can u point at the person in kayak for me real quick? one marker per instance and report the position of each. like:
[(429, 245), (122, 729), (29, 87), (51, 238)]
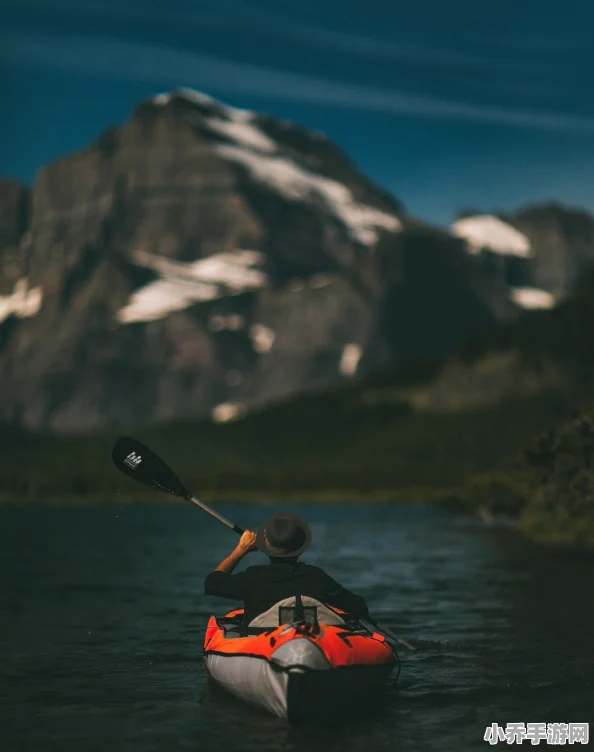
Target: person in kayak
[(283, 538)]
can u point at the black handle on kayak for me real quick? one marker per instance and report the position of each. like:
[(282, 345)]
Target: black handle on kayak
[(137, 461)]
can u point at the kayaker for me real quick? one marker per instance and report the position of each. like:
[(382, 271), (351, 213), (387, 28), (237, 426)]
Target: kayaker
[(283, 538)]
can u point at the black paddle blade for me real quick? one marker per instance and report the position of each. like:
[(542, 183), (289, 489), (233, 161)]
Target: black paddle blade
[(140, 463)]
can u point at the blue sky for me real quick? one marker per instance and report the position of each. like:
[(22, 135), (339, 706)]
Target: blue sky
[(449, 105)]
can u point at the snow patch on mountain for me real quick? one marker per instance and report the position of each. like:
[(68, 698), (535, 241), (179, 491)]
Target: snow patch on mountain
[(183, 284), (262, 338), (23, 302), (349, 360), (489, 232), (243, 133), (532, 297), (296, 184), (201, 99), (227, 411)]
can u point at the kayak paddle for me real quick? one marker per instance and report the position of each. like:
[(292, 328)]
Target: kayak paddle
[(139, 462), (374, 626)]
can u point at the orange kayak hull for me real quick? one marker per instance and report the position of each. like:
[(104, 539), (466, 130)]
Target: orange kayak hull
[(292, 671)]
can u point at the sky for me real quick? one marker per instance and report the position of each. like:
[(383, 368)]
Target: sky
[(451, 106)]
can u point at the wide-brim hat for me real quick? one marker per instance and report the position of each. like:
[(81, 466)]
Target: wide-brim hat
[(283, 535)]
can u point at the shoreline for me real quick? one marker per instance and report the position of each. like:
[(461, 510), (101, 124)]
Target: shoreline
[(419, 498), (410, 497)]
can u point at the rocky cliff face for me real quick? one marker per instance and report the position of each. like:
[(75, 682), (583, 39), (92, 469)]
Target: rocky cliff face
[(201, 259)]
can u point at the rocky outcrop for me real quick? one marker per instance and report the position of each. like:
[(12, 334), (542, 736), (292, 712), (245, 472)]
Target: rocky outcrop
[(539, 252), (201, 259)]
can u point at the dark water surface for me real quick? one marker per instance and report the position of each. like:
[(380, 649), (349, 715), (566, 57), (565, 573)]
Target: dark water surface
[(102, 618)]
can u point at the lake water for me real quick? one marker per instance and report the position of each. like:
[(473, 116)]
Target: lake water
[(103, 616)]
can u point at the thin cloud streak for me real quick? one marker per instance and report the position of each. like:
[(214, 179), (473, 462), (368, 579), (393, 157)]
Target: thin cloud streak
[(325, 39), (165, 67), (379, 50)]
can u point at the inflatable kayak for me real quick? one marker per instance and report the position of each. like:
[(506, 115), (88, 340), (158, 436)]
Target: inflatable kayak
[(298, 658)]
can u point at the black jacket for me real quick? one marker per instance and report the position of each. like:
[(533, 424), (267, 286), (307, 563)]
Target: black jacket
[(261, 586)]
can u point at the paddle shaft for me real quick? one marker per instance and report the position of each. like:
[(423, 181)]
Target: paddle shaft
[(216, 515), (378, 627), (394, 636)]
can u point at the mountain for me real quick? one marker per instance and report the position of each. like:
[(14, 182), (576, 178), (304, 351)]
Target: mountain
[(202, 259)]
